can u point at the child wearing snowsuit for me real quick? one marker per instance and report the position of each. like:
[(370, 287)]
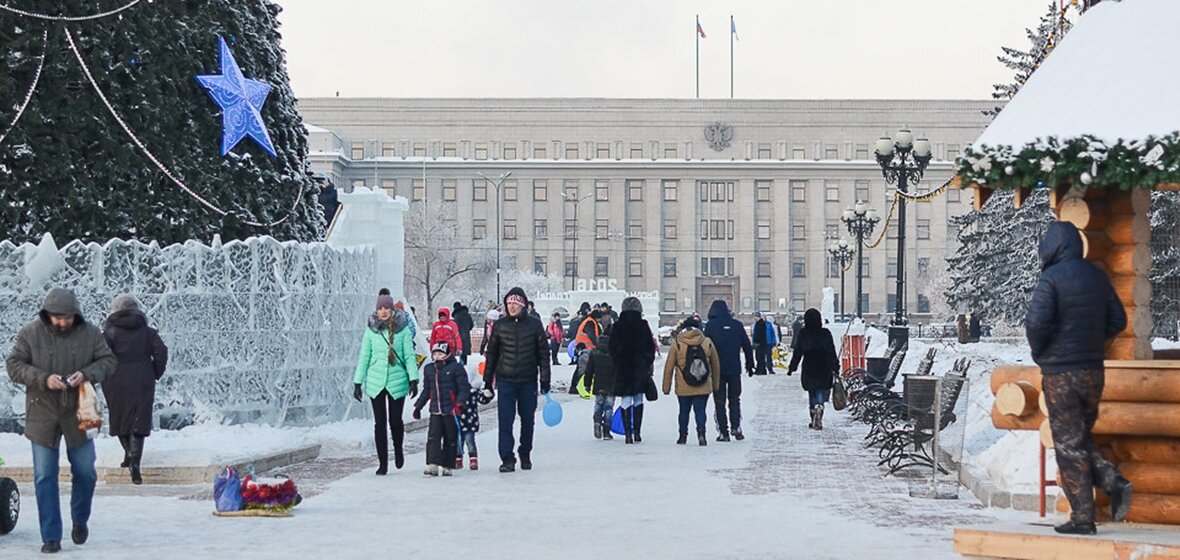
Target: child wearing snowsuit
[(446, 389), (600, 378), (469, 422)]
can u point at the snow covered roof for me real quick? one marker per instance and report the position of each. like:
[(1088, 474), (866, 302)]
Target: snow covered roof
[(1113, 76)]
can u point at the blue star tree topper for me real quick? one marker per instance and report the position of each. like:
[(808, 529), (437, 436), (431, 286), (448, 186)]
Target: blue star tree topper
[(240, 100)]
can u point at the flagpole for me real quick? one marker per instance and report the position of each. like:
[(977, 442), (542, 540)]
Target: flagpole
[(696, 32), (731, 28)]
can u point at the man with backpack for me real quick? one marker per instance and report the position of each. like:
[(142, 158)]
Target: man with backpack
[(729, 337), (693, 358)]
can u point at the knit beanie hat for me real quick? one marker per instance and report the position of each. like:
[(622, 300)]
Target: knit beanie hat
[(631, 303), (384, 302), (124, 302)]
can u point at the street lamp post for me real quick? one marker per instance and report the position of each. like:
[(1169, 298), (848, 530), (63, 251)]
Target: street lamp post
[(577, 202), (842, 255), (860, 220), (497, 183), (903, 161)]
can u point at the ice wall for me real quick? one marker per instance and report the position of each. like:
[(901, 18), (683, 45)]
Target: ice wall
[(370, 217), (258, 330)]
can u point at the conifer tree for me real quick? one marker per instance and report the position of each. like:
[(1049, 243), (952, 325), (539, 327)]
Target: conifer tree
[(1049, 31)]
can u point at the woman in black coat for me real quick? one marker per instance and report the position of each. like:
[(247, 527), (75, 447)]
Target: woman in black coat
[(632, 349), (131, 390), (814, 346)]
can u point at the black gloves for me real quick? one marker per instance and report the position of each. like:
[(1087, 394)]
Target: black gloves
[(545, 387), (417, 414), (413, 389), (356, 392)]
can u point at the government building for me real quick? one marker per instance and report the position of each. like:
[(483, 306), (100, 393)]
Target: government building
[(695, 199)]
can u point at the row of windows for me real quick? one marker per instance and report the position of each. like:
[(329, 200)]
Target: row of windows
[(605, 150), (669, 303), (709, 229), (709, 191), (716, 266)]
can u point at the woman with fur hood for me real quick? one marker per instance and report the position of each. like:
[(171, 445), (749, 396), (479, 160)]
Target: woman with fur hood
[(386, 372), (633, 351), (814, 346), (131, 391)]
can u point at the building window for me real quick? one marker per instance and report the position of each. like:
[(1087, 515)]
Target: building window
[(388, 149), (601, 229), (635, 190), (571, 267), (831, 191), (716, 229), (510, 228), (636, 151), (356, 183), (729, 229), (571, 228), (798, 268), (449, 150), (419, 149), (891, 232), (831, 230), (865, 262), (635, 229), (481, 151), (449, 189), (890, 303), (541, 229), (601, 191), (571, 189), (358, 150), (634, 267), (389, 186), (764, 151), (923, 266), (571, 150), (952, 152), (668, 305), (510, 189), (479, 190), (717, 266), (671, 190), (891, 267), (798, 191), (539, 265), (538, 150), (764, 302), (717, 191), (509, 152), (923, 304), (704, 229), (833, 268), (540, 190), (764, 267), (419, 189), (670, 267), (601, 267), (831, 153), (669, 229), (763, 229), (602, 151), (864, 301), (798, 232), (923, 229), (798, 153), (704, 266), (762, 189), (670, 153), (862, 191), (862, 151), (479, 228)]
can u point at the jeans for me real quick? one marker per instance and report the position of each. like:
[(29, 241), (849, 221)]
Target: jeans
[(467, 439), (729, 391), (697, 404), (604, 408), (760, 356), (554, 347), (818, 398), (516, 399), (768, 357), (441, 440), (45, 484)]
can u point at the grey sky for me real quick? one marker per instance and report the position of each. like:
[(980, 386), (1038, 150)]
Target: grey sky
[(919, 49)]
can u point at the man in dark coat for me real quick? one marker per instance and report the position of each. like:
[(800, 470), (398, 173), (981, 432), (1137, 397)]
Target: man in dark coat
[(131, 391), (758, 337), (462, 317), (729, 337), (517, 358), (54, 354), (1072, 313)]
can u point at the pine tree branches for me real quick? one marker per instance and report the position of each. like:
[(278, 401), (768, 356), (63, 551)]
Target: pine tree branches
[(1049, 31)]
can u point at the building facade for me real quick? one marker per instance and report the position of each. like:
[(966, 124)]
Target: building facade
[(697, 199)]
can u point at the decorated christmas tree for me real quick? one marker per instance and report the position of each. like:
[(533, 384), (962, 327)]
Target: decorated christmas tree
[(106, 131)]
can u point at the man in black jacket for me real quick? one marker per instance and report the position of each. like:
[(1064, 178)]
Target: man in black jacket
[(517, 358), (462, 317), (1073, 311), (729, 337), (758, 336)]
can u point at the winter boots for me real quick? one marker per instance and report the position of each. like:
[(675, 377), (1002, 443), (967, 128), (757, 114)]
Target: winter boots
[(508, 466), (125, 441), (134, 453), (738, 435), (683, 439), (526, 461), (701, 441), (628, 431), (637, 421), (817, 417), (597, 429), (431, 470), (1075, 528), (474, 463), (723, 436)]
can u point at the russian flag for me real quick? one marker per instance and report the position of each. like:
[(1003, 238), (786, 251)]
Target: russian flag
[(700, 30)]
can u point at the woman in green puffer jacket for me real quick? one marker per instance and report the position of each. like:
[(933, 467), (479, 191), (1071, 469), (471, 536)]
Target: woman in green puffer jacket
[(386, 372)]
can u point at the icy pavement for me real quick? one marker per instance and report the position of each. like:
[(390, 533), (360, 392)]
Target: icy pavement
[(784, 492)]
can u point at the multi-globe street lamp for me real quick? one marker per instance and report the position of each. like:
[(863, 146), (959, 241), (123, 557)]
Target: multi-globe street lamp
[(842, 256), (903, 161), (860, 220)]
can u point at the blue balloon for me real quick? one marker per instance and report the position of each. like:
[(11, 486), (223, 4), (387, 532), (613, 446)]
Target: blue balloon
[(552, 411)]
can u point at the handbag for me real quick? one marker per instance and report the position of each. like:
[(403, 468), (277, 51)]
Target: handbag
[(839, 395), (649, 391)]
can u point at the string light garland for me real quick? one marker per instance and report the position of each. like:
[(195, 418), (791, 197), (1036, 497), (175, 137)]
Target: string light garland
[(164, 169), (32, 87), (49, 17)]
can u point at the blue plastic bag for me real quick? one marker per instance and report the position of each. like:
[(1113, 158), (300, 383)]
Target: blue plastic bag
[(616, 422), (571, 349), (227, 491), (552, 411)]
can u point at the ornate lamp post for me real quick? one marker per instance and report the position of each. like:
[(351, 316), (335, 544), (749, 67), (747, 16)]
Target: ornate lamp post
[(841, 255), (860, 220), (903, 160)]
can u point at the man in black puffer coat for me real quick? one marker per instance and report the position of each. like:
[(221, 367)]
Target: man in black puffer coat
[(517, 358), (1073, 311)]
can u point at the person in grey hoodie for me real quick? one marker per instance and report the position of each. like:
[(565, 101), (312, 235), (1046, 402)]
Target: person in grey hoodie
[(54, 355)]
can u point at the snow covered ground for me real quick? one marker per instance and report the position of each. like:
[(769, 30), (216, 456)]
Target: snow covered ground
[(786, 491)]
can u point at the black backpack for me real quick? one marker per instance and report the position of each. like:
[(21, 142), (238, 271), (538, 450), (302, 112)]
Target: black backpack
[(696, 366)]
